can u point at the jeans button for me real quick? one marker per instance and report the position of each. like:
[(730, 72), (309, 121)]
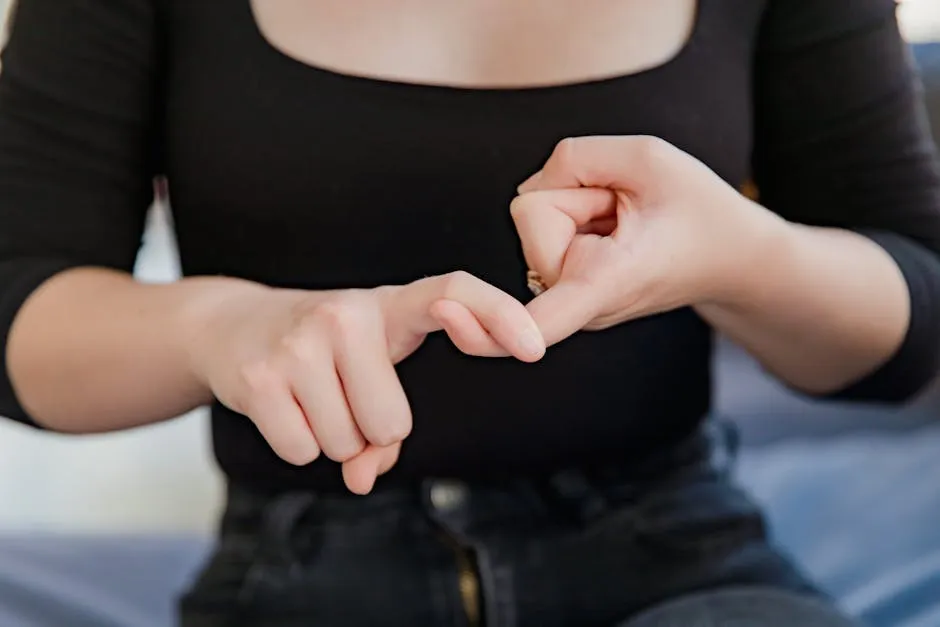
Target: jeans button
[(447, 496)]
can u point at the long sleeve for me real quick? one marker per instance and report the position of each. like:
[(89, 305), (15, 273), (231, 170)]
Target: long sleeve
[(841, 140), (78, 145)]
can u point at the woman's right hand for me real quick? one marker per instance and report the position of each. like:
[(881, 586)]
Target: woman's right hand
[(315, 371)]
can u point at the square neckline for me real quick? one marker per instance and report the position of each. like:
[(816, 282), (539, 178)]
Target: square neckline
[(258, 38)]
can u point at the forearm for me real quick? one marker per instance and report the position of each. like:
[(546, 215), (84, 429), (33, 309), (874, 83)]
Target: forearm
[(93, 350), (819, 308)]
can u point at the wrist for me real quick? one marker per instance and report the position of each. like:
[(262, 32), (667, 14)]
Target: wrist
[(206, 304), (761, 245)]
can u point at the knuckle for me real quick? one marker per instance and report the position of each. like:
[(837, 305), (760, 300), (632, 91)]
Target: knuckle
[(515, 206), (340, 444), (345, 452), (565, 151), (393, 431), (460, 277), (258, 377), (456, 282), (297, 345), (653, 150), (389, 436), (519, 207), (333, 314), (299, 453), (340, 317)]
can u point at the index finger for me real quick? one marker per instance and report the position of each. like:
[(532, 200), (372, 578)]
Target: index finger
[(501, 315), (614, 161)]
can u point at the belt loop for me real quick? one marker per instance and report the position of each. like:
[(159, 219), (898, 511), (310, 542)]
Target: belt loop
[(578, 495), (281, 520), (274, 550)]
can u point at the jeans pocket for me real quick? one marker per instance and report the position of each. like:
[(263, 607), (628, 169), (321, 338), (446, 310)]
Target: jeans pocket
[(698, 520)]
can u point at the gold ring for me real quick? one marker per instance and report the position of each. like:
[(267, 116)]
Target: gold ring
[(535, 282)]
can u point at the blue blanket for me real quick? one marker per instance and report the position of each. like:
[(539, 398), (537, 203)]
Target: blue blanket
[(860, 513)]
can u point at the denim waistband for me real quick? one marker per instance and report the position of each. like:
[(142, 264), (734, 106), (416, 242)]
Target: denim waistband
[(709, 452)]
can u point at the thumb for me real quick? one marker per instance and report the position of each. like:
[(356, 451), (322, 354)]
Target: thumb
[(361, 472), (564, 309)]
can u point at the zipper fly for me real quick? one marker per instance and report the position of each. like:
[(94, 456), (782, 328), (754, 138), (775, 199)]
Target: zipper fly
[(469, 582)]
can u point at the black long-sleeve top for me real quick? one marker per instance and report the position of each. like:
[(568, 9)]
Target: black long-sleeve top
[(298, 176)]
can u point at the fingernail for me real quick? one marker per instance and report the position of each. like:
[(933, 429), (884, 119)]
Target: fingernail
[(532, 343), (529, 183)]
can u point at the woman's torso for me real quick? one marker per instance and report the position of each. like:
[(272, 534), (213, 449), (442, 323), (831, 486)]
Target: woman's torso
[(299, 166)]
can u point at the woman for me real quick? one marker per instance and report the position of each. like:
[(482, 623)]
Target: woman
[(344, 182)]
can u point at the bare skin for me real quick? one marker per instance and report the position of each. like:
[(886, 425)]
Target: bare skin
[(486, 43)]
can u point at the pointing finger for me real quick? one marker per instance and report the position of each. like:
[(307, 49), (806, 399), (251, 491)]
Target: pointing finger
[(501, 315), (617, 162), (465, 331)]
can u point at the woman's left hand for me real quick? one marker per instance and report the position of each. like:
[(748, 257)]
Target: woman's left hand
[(625, 227)]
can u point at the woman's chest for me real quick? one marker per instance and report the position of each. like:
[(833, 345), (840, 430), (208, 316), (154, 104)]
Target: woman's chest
[(251, 128)]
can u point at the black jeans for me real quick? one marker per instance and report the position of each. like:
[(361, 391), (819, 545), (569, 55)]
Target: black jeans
[(672, 542)]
